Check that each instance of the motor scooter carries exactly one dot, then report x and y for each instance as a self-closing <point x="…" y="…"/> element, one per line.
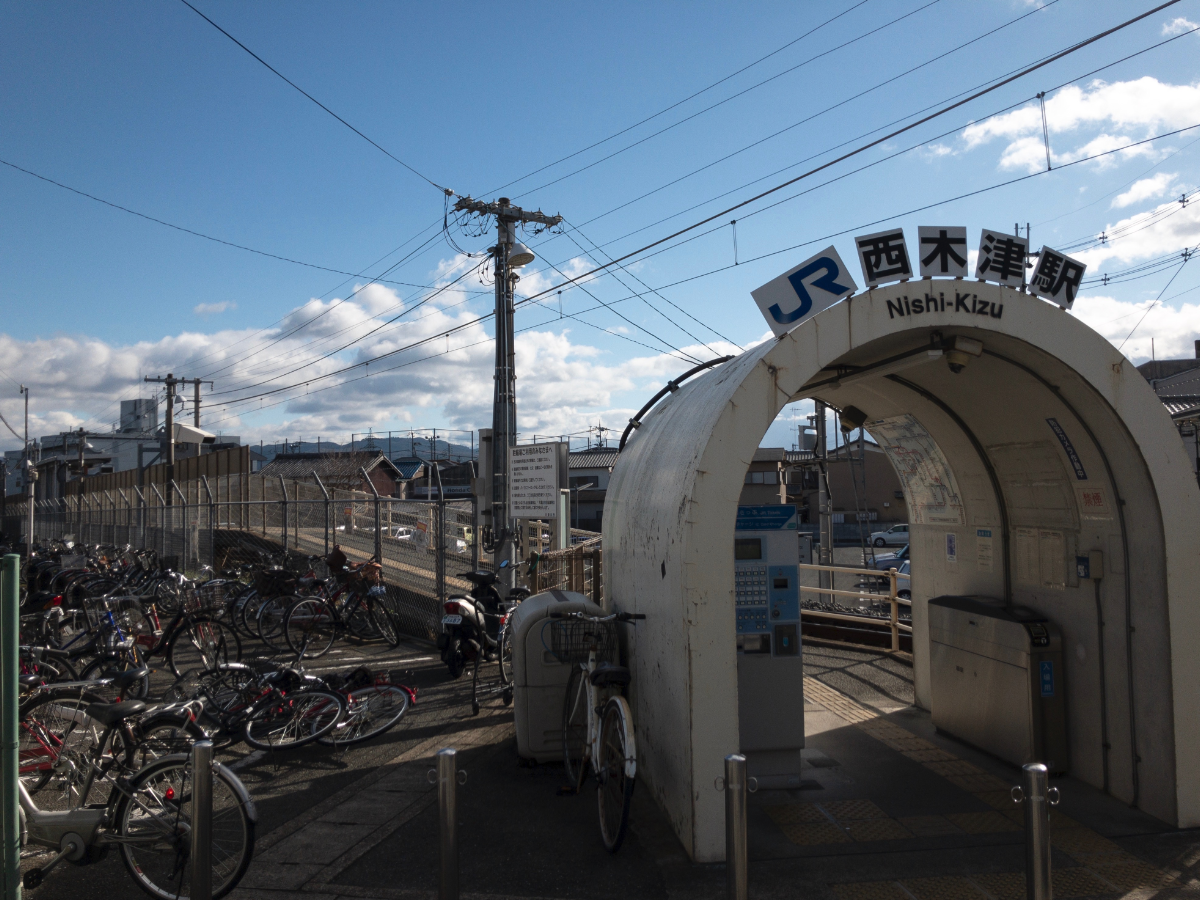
<point x="471" y="624"/>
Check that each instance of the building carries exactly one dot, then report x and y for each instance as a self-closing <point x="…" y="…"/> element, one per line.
<point x="341" y="471"/>
<point x="1177" y="383"/>
<point x="440" y="479"/>
<point x="589" y="472"/>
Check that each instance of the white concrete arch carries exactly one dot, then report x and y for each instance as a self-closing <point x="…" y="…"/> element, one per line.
<point x="671" y="509"/>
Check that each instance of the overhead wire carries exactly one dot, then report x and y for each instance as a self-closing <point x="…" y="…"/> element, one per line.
<point x="1186" y="259"/>
<point x="843" y="143"/>
<point x="305" y="93"/>
<point x="191" y="231"/>
<point x="678" y="103"/>
<point x="930" y="61"/>
<point x="1005" y="81"/>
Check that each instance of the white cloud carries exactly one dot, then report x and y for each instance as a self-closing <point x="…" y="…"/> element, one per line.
<point x="1178" y="26"/>
<point x="1173" y="328"/>
<point x="564" y="384"/>
<point x="1144" y="189"/>
<point x="1132" y="110"/>
<point x="212" y="309"/>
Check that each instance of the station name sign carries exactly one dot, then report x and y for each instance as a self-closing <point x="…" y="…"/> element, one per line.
<point x="822" y="280"/>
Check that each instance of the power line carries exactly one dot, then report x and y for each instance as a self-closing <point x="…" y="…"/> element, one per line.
<point x="1026" y="71"/>
<point x="1186" y="257"/>
<point x="667" y="109"/>
<point x="191" y="231"/>
<point x="297" y="87"/>
<point x="909" y="212"/>
<point x="731" y="97"/>
<point x="881" y="160"/>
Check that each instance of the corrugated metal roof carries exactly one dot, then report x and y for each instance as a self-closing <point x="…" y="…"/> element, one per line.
<point x="408" y="466"/>
<point x="600" y="458"/>
<point x="339" y="469"/>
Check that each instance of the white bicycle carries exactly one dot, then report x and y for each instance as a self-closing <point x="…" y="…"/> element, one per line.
<point x="597" y="729"/>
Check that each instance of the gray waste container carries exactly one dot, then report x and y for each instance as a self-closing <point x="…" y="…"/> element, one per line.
<point x="997" y="679"/>
<point x="540" y="680"/>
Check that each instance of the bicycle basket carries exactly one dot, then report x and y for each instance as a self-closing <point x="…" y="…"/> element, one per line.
<point x="274" y="582"/>
<point x="571" y="641"/>
<point x="205" y="597"/>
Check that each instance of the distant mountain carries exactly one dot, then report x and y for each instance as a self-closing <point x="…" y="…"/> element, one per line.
<point x="423" y="448"/>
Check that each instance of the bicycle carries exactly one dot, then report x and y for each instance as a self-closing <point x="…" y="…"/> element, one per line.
<point x="148" y="816"/>
<point x="597" y="725"/>
<point x="374" y="705"/>
<point x="313" y="623"/>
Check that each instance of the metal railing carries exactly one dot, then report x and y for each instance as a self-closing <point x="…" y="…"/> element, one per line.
<point x="892" y="598"/>
<point x="579" y="568"/>
<point x="234" y="519"/>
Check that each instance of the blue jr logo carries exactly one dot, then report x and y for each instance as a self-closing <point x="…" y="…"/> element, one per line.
<point x="827" y="282"/>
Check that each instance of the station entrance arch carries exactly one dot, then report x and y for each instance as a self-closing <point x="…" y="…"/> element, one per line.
<point x="1052" y="441"/>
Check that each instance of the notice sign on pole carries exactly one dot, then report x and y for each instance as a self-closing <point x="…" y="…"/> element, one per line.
<point x="533" y="481"/>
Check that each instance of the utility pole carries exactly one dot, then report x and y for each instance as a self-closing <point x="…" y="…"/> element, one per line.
<point x="30" y="473"/>
<point x="509" y="255"/>
<point x="824" y="512"/>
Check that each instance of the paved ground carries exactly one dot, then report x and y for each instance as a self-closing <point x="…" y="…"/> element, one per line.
<point x="889" y="810"/>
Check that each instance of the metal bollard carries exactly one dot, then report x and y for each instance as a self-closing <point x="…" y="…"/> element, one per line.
<point x="448" y="777"/>
<point x="736" y="860"/>
<point x="202" y="763"/>
<point x="1038" y="798"/>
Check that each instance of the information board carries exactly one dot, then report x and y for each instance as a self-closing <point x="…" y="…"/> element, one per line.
<point x="533" y="481"/>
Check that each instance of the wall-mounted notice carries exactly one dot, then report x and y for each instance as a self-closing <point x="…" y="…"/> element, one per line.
<point x="533" y="481"/>
<point x="983" y="549"/>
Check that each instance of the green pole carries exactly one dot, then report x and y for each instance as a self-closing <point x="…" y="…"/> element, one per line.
<point x="10" y="815"/>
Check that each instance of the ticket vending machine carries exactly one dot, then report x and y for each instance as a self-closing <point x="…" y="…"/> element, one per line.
<point x="770" y="668"/>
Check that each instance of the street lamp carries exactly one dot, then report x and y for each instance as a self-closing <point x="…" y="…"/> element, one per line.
<point x="582" y="487"/>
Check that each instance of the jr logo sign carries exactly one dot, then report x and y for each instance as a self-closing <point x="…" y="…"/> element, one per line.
<point x="810" y="287"/>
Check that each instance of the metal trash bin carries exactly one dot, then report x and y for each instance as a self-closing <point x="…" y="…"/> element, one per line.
<point x="539" y="679"/>
<point x="997" y="679"/>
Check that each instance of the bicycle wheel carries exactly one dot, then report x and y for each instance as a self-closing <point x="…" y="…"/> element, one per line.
<point x="575" y="728"/>
<point x="154" y="825"/>
<point x="248" y="615"/>
<point x="54" y="728"/>
<point x="615" y="773"/>
<point x="293" y="720"/>
<point x="269" y="621"/>
<point x="203" y="643"/>
<point x="310" y="628"/>
<point x="384" y="623"/>
<point x="135" y="623"/>
<point x="370" y="711"/>
<point x="163" y="735"/>
<point x="506" y="657"/>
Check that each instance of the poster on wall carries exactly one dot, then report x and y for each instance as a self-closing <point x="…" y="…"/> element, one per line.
<point x="929" y="484"/>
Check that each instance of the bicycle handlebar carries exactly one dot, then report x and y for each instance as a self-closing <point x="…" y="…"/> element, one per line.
<point x="620" y="617"/>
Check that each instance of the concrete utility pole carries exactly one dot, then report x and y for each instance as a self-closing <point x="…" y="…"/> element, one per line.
<point x="824" y="510"/>
<point x="510" y="254"/>
<point x="30" y="475"/>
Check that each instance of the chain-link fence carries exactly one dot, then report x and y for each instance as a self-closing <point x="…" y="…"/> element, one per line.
<point x="423" y="545"/>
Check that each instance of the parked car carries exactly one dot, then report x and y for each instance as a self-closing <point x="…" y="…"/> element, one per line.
<point x="895" y="536"/>
<point x="401" y="533"/>
<point x="886" y="561"/>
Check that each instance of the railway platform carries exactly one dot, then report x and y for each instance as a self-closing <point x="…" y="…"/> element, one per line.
<point x="887" y="809"/>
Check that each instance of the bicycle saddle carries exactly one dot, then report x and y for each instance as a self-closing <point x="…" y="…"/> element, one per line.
<point x="607" y="675"/>
<point x="129" y="677"/>
<point x="110" y="714"/>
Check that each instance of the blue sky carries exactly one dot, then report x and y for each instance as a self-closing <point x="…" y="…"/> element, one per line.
<point x="146" y="105"/>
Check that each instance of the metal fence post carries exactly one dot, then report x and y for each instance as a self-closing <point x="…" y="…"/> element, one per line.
<point x="448" y="778"/>
<point x="212" y="528"/>
<point x="10" y="823"/>
<point x="202" y="763"/>
<point x="325" y="494"/>
<point x="378" y="521"/>
<point x="736" y="870"/>
<point x="1038" y="798"/>
<point x="441" y="551"/>
<point x="283" y="526"/>
<point x="892" y="597"/>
